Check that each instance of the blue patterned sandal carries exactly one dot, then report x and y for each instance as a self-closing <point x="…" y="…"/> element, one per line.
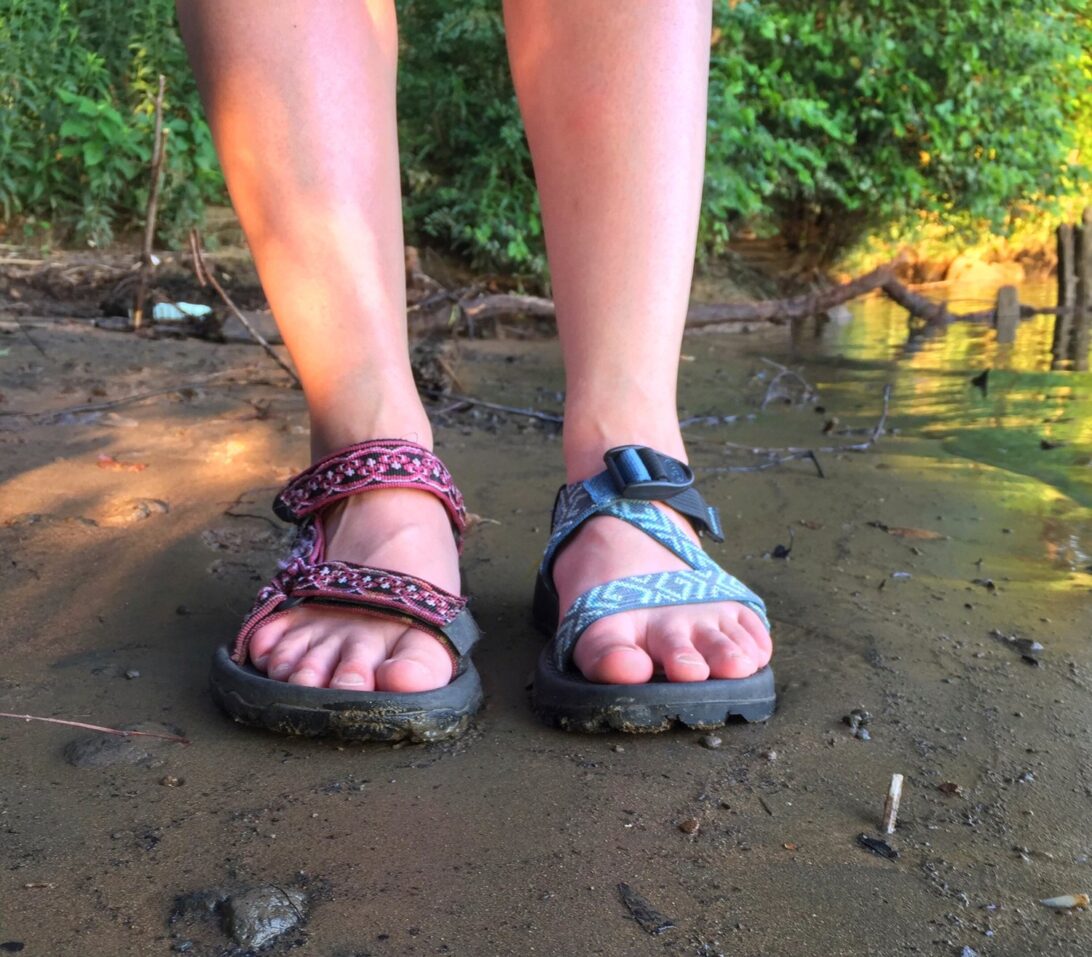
<point x="562" y="696"/>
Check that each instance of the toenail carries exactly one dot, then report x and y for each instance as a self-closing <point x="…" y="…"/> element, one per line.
<point x="260" y="662"/>
<point x="282" y="670"/>
<point x="306" y="674"/>
<point x="348" y="679"/>
<point x="689" y="659"/>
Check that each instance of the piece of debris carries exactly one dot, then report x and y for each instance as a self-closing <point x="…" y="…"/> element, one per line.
<point x="891" y="804"/>
<point x="170" y="781"/>
<point x="968" y="952"/>
<point x="1067" y="902"/>
<point x="12" y="946"/>
<point x="710" y="741"/>
<point x="902" y="531"/>
<point x="783" y="551"/>
<point x="105" y="461"/>
<point x="858" y="719"/>
<point x="690" y="825"/>
<point x="651" y="920"/>
<point x="982" y="381"/>
<point x="179" y="311"/>
<point x="877" y="847"/>
<point x="951" y="788"/>
<point x="765" y="807"/>
<point x="132" y="674"/>
<point x="988" y="583"/>
<point x="258" y="915"/>
<point x="901" y="576"/>
<point x="1028" y="649"/>
<point x="770" y="755"/>
<point x="790" y="846"/>
<point x="1047" y="444"/>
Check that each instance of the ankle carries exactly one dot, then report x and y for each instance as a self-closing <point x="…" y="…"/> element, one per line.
<point x="587" y="439"/>
<point x="340" y="418"/>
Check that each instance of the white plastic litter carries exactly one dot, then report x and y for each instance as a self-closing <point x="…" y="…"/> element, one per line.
<point x="177" y="311"/>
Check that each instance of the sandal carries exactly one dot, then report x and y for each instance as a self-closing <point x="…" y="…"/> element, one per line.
<point x="562" y="696"/>
<point x="251" y="697"/>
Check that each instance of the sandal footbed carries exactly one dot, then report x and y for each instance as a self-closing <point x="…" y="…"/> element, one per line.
<point x="253" y="699"/>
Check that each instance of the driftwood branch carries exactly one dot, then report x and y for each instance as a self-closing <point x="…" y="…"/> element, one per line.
<point x="205" y="277"/>
<point x="147" y="261"/>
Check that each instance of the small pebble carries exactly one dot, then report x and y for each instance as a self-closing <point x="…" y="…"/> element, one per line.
<point x="618" y="749"/>
<point x="170" y="781"/>
<point x="863" y="734"/>
<point x="770" y="755"/>
<point x="710" y="741"/>
<point x="132" y="673"/>
<point x="690" y="825"/>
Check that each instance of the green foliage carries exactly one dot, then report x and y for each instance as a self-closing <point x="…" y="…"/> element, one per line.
<point x="827" y="118"/>
<point x="467" y="175"/>
<point x="78" y="80"/>
<point x="830" y="119"/>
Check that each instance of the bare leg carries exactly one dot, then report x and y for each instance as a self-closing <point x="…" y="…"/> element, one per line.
<point x="301" y="100"/>
<point x="614" y="98"/>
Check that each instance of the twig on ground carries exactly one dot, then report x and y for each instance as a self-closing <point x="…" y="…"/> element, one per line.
<point x="98" y="727"/>
<point x="147" y="260"/>
<point x="458" y="400"/>
<point x="810" y="394"/>
<point x="202" y="272"/>
<point x="891" y="804"/>
<point x="776" y="457"/>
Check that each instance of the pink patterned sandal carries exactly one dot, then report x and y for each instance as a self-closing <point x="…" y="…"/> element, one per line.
<point x="253" y="698"/>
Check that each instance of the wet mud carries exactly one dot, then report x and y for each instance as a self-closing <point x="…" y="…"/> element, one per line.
<point x="135" y="536"/>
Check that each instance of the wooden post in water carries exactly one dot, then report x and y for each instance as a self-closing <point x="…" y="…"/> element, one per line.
<point x="1067" y="294"/>
<point x="1067" y="266"/>
<point x="1006" y="316"/>
<point x="1082" y="313"/>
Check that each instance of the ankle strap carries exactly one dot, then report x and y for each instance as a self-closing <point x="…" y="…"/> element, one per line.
<point x="376" y="464"/>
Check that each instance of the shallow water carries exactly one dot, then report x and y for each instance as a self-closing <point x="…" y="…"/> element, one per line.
<point x="1029" y="417"/>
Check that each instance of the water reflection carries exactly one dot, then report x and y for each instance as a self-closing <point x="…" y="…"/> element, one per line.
<point x="1031" y="414"/>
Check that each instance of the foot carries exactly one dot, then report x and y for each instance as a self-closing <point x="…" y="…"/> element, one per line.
<point x="401" y="530"/>
<point x="683" y="642"/>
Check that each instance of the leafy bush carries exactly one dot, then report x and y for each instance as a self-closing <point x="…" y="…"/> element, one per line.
<point x="826" y="119"/>
<point x="829" y="119"/>
<point x="78" y="81"/>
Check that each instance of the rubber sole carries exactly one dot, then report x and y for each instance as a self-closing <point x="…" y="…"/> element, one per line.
<point x="251" y="698"/>
<point x="572" y="703"/>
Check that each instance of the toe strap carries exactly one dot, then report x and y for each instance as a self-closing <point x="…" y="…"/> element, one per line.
<point x="657" y="590"/>
<point x="373" y="591"/>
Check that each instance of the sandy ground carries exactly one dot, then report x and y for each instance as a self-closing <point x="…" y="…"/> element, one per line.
<point x="134" y="538"/>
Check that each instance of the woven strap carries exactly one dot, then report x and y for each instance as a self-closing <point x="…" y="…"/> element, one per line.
<point x="380" y="463"/>
<point x="383" y="593"/>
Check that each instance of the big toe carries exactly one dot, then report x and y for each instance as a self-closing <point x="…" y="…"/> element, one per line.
<point x="610" y="659"/>
<point x="418" y="662"/>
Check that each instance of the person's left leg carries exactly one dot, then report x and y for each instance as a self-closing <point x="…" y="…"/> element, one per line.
<point x="613" y="97"/>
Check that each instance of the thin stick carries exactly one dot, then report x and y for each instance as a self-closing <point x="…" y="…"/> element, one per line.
<point x="97" y="727"/>
<point x="147" y="263"/>
<point x="202" y="271"/>
<point x="496" y="407"/>
<point x="791" y="453"/>
<point x="891" y="804"/>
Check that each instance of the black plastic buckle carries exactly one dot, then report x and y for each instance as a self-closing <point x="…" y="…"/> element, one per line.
<point x="644" y="473"/>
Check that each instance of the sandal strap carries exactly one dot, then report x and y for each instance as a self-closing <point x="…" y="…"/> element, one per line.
<point x="376" y="464"/>
<point x="656" y="590"/>
<point x="381" y="592"/>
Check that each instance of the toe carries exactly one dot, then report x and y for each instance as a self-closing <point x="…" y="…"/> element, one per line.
<point x="264" y="640"/>
<point x="758" y="632"/>
<point x="725" y="656"/>
<point x="418" y="662"/>
<point x="314" y="668"/>
<point x="675" y="652"/>
<point x="355" y="670"/>
<point x="282" y="659"/>
<point x="612" y="657"/>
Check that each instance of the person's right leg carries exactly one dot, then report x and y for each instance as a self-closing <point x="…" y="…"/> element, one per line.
<point x="300" y="97"/>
